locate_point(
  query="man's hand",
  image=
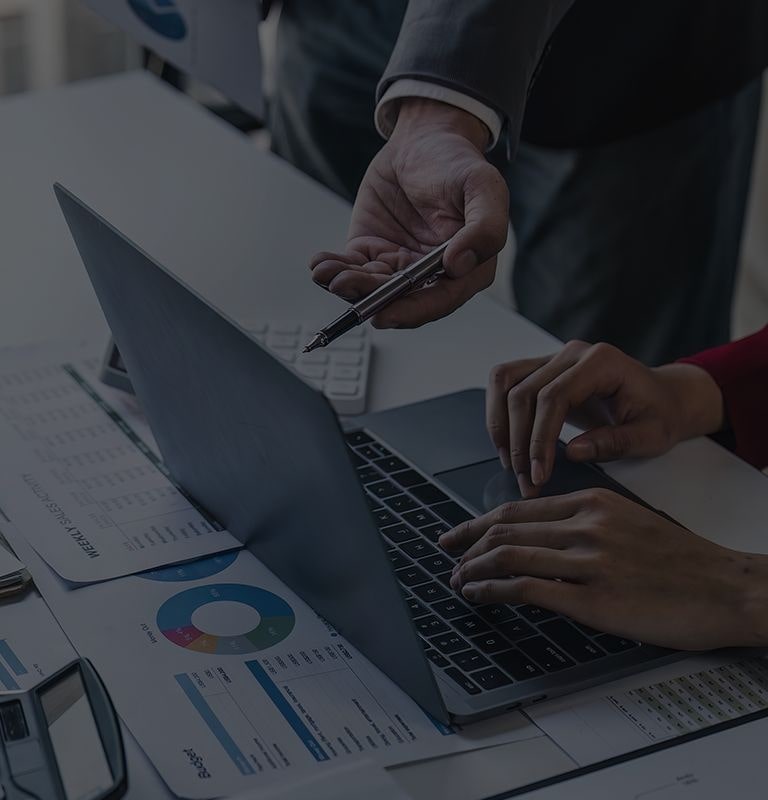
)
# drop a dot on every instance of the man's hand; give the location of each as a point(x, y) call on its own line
point(628, 409)
point(613, 565)
point(429, 183)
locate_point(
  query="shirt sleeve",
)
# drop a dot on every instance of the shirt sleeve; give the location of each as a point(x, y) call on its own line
point(387, 107)
point(740, 369)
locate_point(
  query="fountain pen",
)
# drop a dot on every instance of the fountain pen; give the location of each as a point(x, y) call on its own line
point(422, 272)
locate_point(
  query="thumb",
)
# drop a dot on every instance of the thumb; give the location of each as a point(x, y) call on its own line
point(613, 442)
point(486, 221)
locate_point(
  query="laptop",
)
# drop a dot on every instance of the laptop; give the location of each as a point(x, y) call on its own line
point(348, 516)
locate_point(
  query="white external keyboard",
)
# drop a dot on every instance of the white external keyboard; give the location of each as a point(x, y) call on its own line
point(339, 370)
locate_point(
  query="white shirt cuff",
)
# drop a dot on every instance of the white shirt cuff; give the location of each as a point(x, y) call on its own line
point(387, 109)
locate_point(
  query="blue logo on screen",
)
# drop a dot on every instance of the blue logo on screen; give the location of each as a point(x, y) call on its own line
point(162, 16)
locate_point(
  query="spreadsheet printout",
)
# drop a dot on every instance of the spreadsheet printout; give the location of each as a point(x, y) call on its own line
point(84, 482)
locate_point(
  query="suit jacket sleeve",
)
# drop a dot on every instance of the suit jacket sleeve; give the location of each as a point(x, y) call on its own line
point(488, 49)
point(740, 369)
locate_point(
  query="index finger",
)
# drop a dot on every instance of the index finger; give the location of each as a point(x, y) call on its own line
point(503, 378)
point(540, 509)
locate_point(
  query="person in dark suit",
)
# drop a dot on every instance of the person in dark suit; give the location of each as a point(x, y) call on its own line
point(618, 138)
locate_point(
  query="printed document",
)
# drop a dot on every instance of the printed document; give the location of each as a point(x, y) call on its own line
point(82, 480)
point(231, 683)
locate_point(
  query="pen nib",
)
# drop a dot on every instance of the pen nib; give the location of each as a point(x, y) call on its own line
point(317, 341)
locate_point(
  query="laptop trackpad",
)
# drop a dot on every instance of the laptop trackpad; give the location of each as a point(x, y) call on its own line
point(486, 485)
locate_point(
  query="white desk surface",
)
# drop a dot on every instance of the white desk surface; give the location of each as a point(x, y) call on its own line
point(240, 226)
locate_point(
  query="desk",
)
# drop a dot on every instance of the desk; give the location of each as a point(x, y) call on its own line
point(239, 226)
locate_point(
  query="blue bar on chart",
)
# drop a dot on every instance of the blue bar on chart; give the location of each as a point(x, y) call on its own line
point(13, 661)
point(291, 717)
point(6, 679)
point(214, 724)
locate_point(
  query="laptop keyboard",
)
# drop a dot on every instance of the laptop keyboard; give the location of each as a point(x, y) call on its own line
point(480, 648)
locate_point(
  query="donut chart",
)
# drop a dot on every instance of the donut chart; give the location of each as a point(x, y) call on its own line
point(174, 619)
point(193, 570)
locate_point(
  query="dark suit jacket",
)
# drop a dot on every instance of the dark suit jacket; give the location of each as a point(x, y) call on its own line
point(584, 72)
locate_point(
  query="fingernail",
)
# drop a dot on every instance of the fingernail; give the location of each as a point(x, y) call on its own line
point(455, 569)
point(524, 482)
point(537, 472)
point(470, 591)
point(506, 462)
point(464, 264)
point(583, 449)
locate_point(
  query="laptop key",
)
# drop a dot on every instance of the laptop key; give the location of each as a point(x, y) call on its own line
point(452, 513)
point(373, 503)
point(407, 478)
point(382, 489)
point(450, 609)
point(438, 659)
point(519, 666)
point(397, 534)
point(390, 464)
point(470, 660)
point(412, 576)
point(356, 438)
point(445, 579)
point(574, 643)
point(615, 644)
point(415, 607)
point(398, 560)
point(491, 643)
point(515, 629)
point(367, 452)
point(471, 625)
point(401, 503)
point(429, 494)
point(436, 564)
point(496, 613)
point(430, 592)
point(368, 474)
point(491, 678)
point(434, 532)
point(545, 654)
point(384, 517)
point(431, 625)
point(419, 549)
point(464, 682)
point(419, 518)
point(381, 450)
point(534, 613)
point(448, 643)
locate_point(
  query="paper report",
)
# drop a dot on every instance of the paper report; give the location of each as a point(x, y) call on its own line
point(84, 482)
point(230, 682)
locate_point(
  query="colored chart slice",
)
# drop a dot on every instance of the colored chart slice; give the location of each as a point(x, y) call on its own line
point(174, 619)
point(192, 570)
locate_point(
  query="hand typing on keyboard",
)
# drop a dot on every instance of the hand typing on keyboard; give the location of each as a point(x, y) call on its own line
point(611, 564)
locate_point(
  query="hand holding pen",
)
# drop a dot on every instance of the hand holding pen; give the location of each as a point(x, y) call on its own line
point(423, 272)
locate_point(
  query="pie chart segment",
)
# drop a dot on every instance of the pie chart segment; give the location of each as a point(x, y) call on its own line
point(174, 619)
point(192, 570)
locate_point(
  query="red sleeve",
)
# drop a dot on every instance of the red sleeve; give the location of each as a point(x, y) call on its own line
point(740, 369)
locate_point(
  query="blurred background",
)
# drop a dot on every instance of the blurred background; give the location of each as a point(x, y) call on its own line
point(45, 43)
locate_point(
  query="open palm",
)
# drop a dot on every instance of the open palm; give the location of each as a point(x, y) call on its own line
point(418, 192)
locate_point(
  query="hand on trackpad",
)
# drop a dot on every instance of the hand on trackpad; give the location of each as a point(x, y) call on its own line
point(487, 485)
